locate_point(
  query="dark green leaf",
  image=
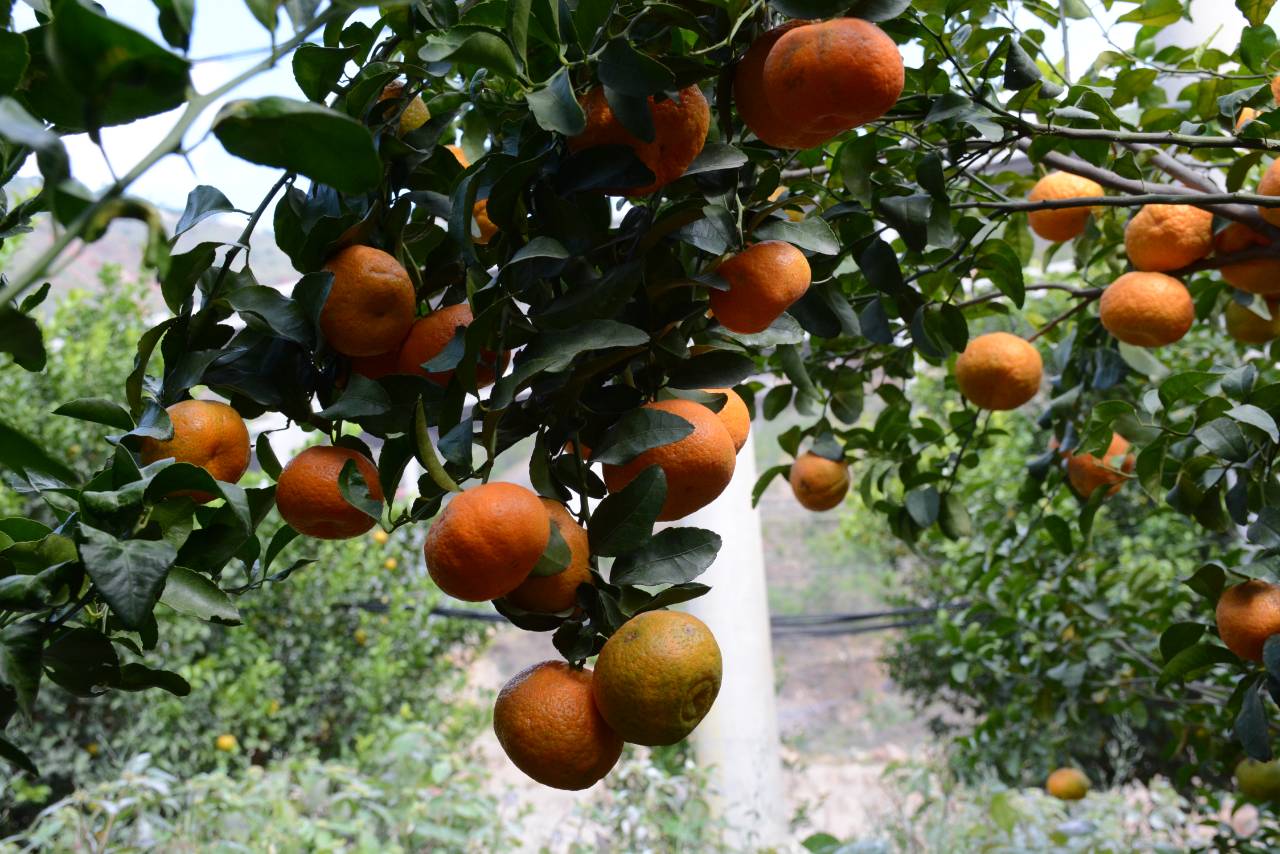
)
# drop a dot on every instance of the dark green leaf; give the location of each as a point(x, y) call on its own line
point(282, 132)
point(1251, 726)
point(361, 398)
point(624, 520)
point(20, 668)
point(627, 70)
point(638, 431)
point(812, 233)
point(355, 490)
point(97, 410)
point(556, 108)
point(672, 556)
point(130, 574)
point(202, 202)
point(190, 592)
point(318, 68)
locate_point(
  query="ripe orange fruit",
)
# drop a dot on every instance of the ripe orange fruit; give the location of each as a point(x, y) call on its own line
point(1066, 223)
point(1247, 615)
point(698, 467)
point(308, 497)
point(1270, 186)
point(819, 483)
point(206, 433)
point(1275, 89)
point(431, 334)
point(753, 105)
point(999, 371)
point(819, 80)
point(549, 727)
point(1087, 473)
point(1068, 784)
point(1260, 276)
point(415, 114)
point(1247, 115)
point(486, 541)
point(1247, 327)
point(1258, 781)
point(371, 303)
point(1168, 237)
point(551, 594)
point(734, 415)
point(680, 131)
point(1147, 309)
point(657, 677)
point(226, 742)
point(764, 280)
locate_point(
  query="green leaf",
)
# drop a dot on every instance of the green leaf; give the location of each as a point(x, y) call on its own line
point(13, 60)
point(20, 453)
point(716, 369)
point(20, 336)
point(625, 69)
point(97, 410)
point(139, 677)
point(82, 660)
point(812, 233)
point(267, 12)
point(624, 520)
point(361, 398)
point(267, 309)
point(1020, 71)
point(1178, 637)
point(671, 556)
point(92, 71)
point(12, 754)
point(1249, 414)
point(716, 157)
point(202, 202)
point(193, 593)
point(355, 490)
point(923, 504)
point(317, 69)
point(555, 107)
point(1257, 44)
point(1192, 660)
point(478, 46)
point(130, 574)
point(20, 668)
point(1255, 10)
point(638, 431)
point(1208, 581)
point(555, 351)
point(954, 518)
point(1161, 13)
point(1251, 726)
point(556, 557)
point(282, 132)
point(1223, 437)
point(175, 21)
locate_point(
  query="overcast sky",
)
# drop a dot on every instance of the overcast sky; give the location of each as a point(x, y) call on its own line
point(224, 26)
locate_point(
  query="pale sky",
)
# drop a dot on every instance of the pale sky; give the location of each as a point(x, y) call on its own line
point(227, 26)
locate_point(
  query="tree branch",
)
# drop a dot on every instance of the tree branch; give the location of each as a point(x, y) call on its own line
point(1200, 200)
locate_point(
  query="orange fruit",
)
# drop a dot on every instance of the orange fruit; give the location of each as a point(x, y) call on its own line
point(1147, 309)
point(1087, 473)
point(657, 677)
point(753, 105)
point(1247, 115)
point(764, 280)
point(1066, 223)
point(826, 78)
point(680, 131)
point(1275, 89)
point(1247, 615)
point(734, 415)
point(551, 594)
point(999, 371)
point(1168, 237)
point(1259, 276)
point(206, 433)
point(1068, 784)
point(548, 725)
point(415, 114)
point(1258, 781)
point(1247, 327)
point(371, 304)
point(431, 334)
point(1270, 186)
point(226, 743)
point(819, 483)
point(698, 467)
point(308, 497)
point(486, 541)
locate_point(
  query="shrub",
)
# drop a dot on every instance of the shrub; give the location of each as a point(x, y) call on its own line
point(407, 787)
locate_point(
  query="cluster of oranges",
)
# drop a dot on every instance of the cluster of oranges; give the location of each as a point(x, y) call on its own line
point(656, 677)
point(1146, 307)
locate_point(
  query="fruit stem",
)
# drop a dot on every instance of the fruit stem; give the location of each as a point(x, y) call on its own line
point(427, 452)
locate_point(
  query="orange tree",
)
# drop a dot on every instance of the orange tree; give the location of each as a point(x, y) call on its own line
point(568, 228)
